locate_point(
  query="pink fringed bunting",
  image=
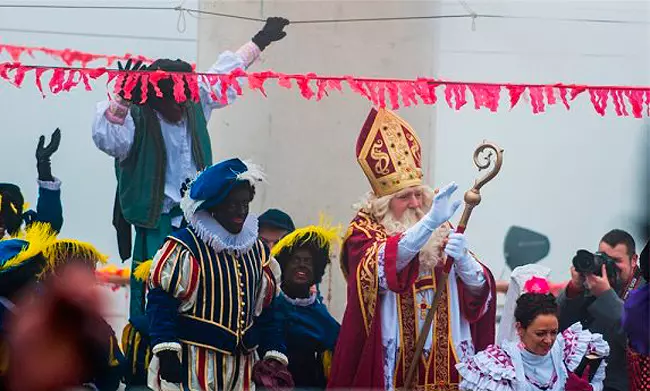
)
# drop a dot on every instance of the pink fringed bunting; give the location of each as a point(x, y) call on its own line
point(284, 81)
point(599, 100)
point(393, 94)
point(144, 88)
point(550, 95)
point(536, 99)
point(322, 89)
point(372, 87)
point(334, 84)
point(19, 77)
point(193, 84)
point(14, 51)
point(155, 78)
point(56, 82)
point(562, 91)
point(636, 101)
point(619, 103)
point(179, 88)
point(515, 94)
point(577, 90)
point(455, 96)
point(407, 91)
point(426, 91)
point(256, 82)
point(71, 81)
point(357, 86)
point(485, 96)
point(303, 85)
point(131, 80)
point(37, 77)
point(119, 81)
point(233, 79)
point(381, 92)
point(85, 80)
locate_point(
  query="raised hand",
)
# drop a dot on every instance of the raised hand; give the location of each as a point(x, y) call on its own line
point(443, 208)
point(44, 153)
point(272, 31)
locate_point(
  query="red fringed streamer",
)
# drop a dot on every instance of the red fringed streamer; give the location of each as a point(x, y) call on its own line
point(179, 88)
point(550, 95)
point(234, 81)
point(619, 103)
point(19, 77)
point(599, 100)
point(119, 81)
point(303, 85)
point(256, 82)
point(130, 83)
point(577, 90)
point(455, 93)
point(563, 90)
point(536, 99)
point(636, 101)
point(393, 95)
point(71, 81)
point(381, 91)
point(155, 78)
point(335, 84)
point(144, 88)
point(372, 87)
point(515, 94)
point(357, 86)
point(407, 90)
point(56, 82)
point(486, 96)
point(321, 85)
point(426, 91)
point(68, 56)
point(284, 81)
point(193, 85)
point(39, 84)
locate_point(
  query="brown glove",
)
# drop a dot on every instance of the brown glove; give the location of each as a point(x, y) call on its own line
point(272, 375)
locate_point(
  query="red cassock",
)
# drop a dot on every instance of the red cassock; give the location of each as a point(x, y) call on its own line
point(359, 355)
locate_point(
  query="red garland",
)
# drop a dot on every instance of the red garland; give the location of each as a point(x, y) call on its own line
point(67, 56)
point(395, 93)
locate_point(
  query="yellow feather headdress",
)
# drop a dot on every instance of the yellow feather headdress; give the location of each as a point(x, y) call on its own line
point(325, 235)
point(141, 273)
point(39, 236)
point(63, 250)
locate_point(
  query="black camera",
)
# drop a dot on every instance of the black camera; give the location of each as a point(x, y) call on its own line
point(587, 263)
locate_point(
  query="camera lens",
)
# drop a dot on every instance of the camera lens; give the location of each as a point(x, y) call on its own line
point(584, 262)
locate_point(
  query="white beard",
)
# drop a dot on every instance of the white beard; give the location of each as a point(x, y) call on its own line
point(432, 252)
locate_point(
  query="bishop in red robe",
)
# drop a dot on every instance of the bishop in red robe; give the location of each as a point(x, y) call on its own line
point(392, 257)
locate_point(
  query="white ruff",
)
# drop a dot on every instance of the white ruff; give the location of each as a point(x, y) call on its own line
point(217, 237)
point(300, 302)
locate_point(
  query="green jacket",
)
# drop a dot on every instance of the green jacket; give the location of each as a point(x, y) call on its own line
point(141, 176)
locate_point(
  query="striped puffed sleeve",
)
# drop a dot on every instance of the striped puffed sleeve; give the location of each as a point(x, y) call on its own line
point(172, 289)
point(175, 271)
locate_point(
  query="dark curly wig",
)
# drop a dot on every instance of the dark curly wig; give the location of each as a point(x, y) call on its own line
point(320, 256)
point(531, 305)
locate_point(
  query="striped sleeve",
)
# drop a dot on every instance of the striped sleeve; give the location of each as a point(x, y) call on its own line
point(175, 271)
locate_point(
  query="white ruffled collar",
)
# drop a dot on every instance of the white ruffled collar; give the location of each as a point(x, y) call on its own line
point(300, 302)
point(216, 236)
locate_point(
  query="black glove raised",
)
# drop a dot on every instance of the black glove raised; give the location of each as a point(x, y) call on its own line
point(136, 93)
point(43, 155)
point(271, 32)
point(170, 366)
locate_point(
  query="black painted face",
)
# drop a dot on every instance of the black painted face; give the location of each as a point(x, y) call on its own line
point(232, 212)
point(300, 268)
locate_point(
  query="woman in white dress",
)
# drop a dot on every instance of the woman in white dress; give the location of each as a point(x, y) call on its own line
point(531, 355)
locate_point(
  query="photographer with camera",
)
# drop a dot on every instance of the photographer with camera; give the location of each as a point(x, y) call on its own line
point(599, 284)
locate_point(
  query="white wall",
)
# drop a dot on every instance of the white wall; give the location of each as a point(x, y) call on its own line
point(570, 175)
point(87, 173)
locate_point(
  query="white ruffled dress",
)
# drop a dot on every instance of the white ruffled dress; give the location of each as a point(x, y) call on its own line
point(510, 368)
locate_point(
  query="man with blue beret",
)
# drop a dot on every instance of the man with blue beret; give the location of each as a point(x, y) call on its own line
point(209, 289)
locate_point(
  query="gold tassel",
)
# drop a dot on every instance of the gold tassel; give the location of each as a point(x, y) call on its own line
point(141, 273)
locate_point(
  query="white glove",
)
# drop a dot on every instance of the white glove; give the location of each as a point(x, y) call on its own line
point(417, 236)
point(468, 269)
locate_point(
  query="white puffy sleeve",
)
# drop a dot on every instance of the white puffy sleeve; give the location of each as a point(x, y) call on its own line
point(111, 137)
point(578, 343)
point(175, 271)
point(489, 370)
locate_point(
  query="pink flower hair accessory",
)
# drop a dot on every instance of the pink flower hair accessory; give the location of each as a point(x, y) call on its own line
point(537, 285)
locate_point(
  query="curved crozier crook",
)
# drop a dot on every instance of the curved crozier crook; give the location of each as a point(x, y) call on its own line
point(483, 160)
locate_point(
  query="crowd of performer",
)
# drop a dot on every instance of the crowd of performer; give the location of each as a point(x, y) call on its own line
point(223, 300)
